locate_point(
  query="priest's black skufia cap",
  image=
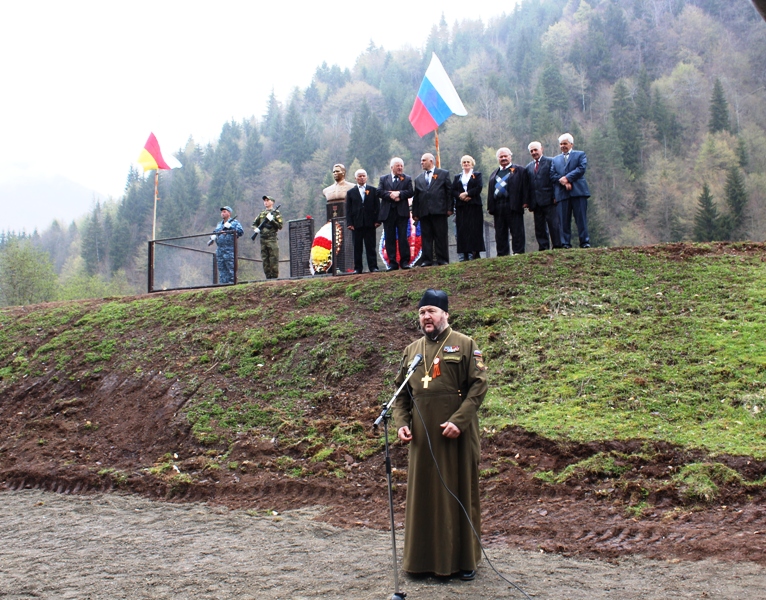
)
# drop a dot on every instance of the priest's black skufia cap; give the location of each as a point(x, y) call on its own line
point(433, 297)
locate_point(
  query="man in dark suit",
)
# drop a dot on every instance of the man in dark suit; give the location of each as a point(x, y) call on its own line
point(506, 200)
point(542, 200)
point(394, 191)
point(571, 189)
point(432, 203)
point(362, 208)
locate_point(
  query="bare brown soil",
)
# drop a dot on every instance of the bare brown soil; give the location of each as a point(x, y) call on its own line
point(139, 419)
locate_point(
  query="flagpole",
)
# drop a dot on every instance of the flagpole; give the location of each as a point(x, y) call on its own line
point(438, 156)
point(156, 190)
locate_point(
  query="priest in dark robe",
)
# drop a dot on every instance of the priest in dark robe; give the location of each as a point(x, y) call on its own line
point(440, 404)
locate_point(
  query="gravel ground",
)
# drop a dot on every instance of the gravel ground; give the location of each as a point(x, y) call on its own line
point(113, 546)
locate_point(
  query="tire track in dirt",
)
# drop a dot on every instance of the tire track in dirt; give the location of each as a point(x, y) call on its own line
point(113, 546)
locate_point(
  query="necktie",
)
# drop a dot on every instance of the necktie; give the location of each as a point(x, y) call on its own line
point(537, 165)
point(566, 157)
point(361, 192)
point(428, 177)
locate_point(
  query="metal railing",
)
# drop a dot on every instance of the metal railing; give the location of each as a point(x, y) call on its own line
point(187, 262)
point(190, 264)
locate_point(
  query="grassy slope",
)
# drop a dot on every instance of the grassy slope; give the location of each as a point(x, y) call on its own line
point(663, 344)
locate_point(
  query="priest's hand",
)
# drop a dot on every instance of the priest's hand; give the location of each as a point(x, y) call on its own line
point(450, 430)
point(404, 434)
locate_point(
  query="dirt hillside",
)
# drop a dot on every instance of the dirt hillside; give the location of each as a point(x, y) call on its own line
point(109, 409)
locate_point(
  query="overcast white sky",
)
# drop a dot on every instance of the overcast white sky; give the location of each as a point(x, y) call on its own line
point(85, 82)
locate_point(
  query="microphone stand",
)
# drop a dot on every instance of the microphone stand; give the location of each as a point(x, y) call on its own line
point(385, 417)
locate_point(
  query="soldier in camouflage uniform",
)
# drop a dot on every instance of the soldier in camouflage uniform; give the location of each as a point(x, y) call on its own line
point(223, 235)
point(268, 223)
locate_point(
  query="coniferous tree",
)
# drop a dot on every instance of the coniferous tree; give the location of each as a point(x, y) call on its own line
point(133, 225)
point(56, 243)
point(615, 25)
point(134, 176)
point(550, 103)
point(624, 117)
point(542, 120)
point(736, 200)
point(367, 141)
point(272, 127)
point(312, 97)
point(643, 98)
point(706, 220)
point(556, 97)
point(273, 117)
point(377, 144)
point(225, 188)
point(252, 157)
point(595, 51)
point(176, 212)
point(742, 156)
point(719, 110)
point(94, 242)
point(297, 147)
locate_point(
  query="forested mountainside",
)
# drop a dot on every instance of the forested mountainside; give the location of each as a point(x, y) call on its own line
point(665, 96)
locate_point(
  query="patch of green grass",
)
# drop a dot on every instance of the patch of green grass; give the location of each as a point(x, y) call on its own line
point(323, 454)
point(637, 511)
point(601, 465)
point(647, 349)
point(161, 468)
point(119, 477)
point(487, 473)
point(700, 481)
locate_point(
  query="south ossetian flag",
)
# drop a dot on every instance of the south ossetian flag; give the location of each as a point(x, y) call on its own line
point(437, 99)
point(151, 157)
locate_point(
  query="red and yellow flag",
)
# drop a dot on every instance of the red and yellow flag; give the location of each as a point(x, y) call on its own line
point(151, 157)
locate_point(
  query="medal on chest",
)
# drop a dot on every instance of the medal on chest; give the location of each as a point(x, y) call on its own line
point(435, 367)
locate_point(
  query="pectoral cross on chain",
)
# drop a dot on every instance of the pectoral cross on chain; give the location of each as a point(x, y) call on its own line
point(425, 379)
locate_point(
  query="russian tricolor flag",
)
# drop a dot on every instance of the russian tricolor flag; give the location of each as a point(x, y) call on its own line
point(437, 99)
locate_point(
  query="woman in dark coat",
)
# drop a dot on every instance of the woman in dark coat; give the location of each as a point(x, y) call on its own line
point(469, 215)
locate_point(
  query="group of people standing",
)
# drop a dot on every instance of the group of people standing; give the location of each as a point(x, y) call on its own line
point(267, 224)
point(554, 189)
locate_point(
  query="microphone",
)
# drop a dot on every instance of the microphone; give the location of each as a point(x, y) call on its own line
point(414, 364)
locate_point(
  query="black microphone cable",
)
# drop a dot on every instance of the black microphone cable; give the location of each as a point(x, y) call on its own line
point(465, 512)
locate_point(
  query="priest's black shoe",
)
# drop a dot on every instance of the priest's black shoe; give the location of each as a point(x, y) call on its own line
point(468, 575)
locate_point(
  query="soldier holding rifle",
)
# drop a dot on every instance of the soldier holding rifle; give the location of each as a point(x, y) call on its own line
point(268, 223)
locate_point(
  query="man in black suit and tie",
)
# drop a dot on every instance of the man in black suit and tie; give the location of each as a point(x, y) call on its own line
point(394, 191)
point(542, 200)
point(506, 200)
point(362, 208)
point(432, 203)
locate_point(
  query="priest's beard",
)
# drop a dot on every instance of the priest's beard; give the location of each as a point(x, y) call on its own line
point(438, 329)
